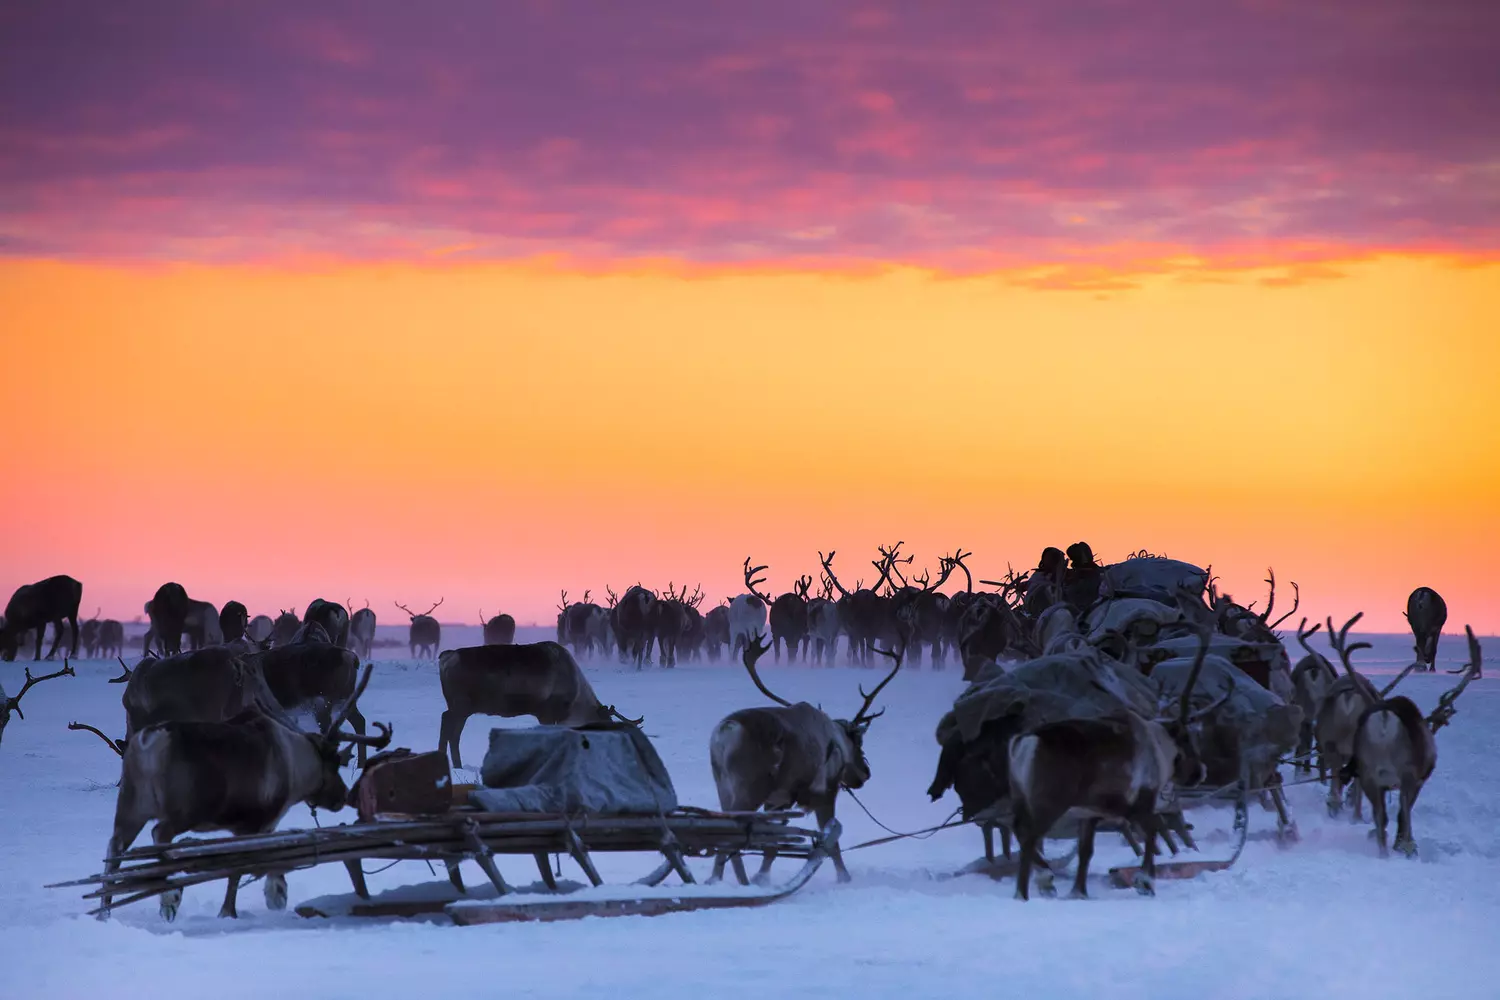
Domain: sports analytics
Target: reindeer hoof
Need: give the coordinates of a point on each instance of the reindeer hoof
(1407, 847)
(764, 878)
(1145, 884)
(1288, 834)
(1334, 808)
(1045, 886)
(168, 911)
(843, 877)
(275, 893)
(1078, 894)
(229, 913)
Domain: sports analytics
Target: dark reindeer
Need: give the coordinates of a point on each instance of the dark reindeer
(790, 755)
(284, 628)
(634, 620)
(499, 630)
(1311, 679)
(35, 606)
(1426, 613)
(823, 625)
(88, 635)
(233, 621)
(361, 629)
(333, 617)
(9, 705)
(240, 775)
(863, 613)
(716, 631)
(1112, 768)
(168, 613)
(583, 625)
(788, 620)
(425, 634)
(111, 638)
(1338, 717)
(539, 679)
(673, 621)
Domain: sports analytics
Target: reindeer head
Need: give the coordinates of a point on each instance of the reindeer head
(9, 705)
(336, 748)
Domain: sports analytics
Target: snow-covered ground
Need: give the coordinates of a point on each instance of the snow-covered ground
(1322, 918)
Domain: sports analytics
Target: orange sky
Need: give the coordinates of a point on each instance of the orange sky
(492, 433)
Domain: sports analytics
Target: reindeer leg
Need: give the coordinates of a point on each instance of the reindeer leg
(1085, 854)
(276, 891)
(824, 813)
(1335, 784)
(455, 733)
(989, 842)
(1145, 880)
(1405, 842)
(1358, 798)
(1378, 815)
(1005, 841)
(127, 828)
(358, 720)
(763, 876)
(171, 900)
(231, 892)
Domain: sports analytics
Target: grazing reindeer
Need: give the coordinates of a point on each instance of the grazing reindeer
(1115, 768)
(1311, 678)
(34, 606)
(1338, 718)
(239, 775)
(788, 619)
(539, 679)
(790, 755)
(361, 629)
(233, 620)
(1426, 613)
(9, 705)
(426, 634)
(499, 630)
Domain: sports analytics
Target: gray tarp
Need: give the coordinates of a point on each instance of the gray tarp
(555, 769)
(1266, 723)
(1154, 577)
(1048, 689)
(1119, 614)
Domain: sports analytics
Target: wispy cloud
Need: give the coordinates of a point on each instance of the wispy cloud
(972, 136)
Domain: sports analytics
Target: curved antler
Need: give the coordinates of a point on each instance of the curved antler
(827, 562)
(861, 718)
(753, 653)
(118, 746)
(616, 715)
(751, 581)
(1339, 640)
(124, 672)
(14, 704)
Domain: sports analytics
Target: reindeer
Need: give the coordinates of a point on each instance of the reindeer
(1339, 715)
(788, 620)
(9, 705)
(88, 635)
(824, 624)
(863, 612)
(233, 620)
(716, 631)
(1426, 613)
(239, 775)
(361, 629)
(34, 606)
(1311, 678)
(634, 617)
(111, 638)
(584, 625)
(673, 621)
(284, 629)
(917, 609)
(747, 612)
(259, 630)
(1121, 768)
(499, 630)
(1394, 750)
(790, 755)
(333, 617)
(539, 679)
(426, 634)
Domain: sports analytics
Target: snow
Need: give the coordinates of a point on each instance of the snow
(1325, 916)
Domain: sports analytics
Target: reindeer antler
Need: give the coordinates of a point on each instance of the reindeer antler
(564, 605)
(434, 607)
(802, 586)
(827, 562)
(124, 672)
(1445, 711)
(1339, 641)
(397, 604)
(613, 597)
(118, 746)
(750, 572)
(754, 651)
(14, 704)
(958, 557)
(861, 718)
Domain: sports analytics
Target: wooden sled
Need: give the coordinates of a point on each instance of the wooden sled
(470, 835)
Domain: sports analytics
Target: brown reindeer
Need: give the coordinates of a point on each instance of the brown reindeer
(789, 755)
(1339, 715)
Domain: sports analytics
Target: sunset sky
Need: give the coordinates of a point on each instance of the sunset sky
(485, 300)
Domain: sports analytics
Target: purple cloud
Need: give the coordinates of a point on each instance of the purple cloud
(956, 135)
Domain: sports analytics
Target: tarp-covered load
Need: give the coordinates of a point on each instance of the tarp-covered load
(1121, 614)
(555, 769)
(1153, 577)
(1048, 689)
(1266, 662)
(1266, 725)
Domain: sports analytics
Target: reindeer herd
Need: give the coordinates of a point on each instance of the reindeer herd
(1097, 694)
